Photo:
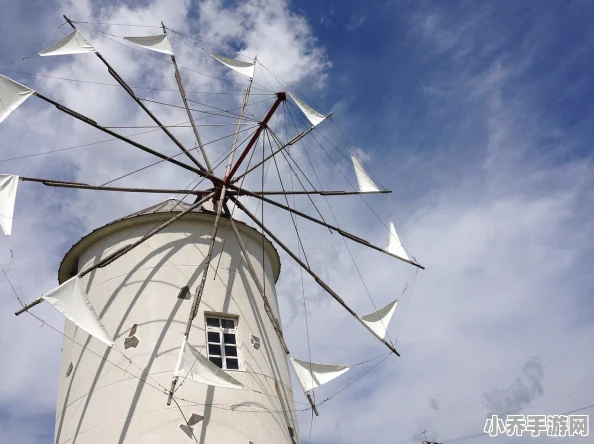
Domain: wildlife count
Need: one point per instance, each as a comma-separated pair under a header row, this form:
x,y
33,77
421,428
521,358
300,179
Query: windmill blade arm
x,y
320,282
94,124
319,222
84,186
200,290
321,193
129,90
273,320
182,92
259,285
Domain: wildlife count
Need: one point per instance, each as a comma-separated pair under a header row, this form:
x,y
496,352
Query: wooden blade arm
x,y
84,186
129,90
319,222
306,268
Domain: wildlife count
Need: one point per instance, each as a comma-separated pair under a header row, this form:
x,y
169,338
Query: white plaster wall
x,y
103,400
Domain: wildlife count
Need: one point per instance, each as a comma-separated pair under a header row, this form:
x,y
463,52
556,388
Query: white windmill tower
x,y
136,288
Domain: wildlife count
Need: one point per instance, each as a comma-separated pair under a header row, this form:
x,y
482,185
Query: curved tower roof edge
x,y
69,264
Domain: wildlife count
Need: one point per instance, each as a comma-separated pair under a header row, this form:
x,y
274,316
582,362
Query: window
x,y
221,336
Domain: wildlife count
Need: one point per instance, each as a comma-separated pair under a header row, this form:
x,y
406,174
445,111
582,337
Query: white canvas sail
x,y
394,245
71,300
8,190
12,94
158,43
192,365
73,43
247,69
378,322
314,117
366,185
311,375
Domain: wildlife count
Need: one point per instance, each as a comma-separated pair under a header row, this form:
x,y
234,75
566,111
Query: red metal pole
x,y
280,97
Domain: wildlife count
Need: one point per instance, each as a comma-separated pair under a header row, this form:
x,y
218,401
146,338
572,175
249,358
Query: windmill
x,y
103,276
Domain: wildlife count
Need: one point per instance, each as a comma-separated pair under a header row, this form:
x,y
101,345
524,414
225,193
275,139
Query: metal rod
x,y
28,306
306,268
129,90
84,186
280,97
270,156
332,227
182,92
125,139
117,254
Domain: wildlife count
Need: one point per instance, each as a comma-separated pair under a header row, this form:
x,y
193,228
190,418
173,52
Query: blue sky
x,y
478,115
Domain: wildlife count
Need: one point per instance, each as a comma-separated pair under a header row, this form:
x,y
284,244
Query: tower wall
x,y
103,399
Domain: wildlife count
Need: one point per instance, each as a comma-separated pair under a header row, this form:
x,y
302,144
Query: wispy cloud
x,y
356,22
491,192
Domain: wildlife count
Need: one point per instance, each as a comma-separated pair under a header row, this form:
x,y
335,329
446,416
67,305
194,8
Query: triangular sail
x,y
314,117
8,190
192,365
311,375
247,69
394,245
12,94
366,185
73,43
378,322
158,43
71,300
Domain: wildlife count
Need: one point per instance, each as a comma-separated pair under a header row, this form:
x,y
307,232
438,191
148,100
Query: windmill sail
x,y
311,375
192,365
8,190
366,185
378,322
314,117
71,300
247,69
158,43
12,94
394,245
73,43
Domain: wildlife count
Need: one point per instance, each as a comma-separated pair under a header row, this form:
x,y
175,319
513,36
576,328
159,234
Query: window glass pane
x,y
217,361
227,323
214,336
232,364
229,338
214,349
212,322
230,350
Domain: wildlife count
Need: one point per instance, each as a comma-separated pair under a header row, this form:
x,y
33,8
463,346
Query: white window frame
x,y
222,331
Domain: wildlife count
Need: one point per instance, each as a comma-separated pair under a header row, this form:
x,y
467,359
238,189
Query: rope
x,y
342,237
208,43
350,183
107,35
171,157
131,86
354,381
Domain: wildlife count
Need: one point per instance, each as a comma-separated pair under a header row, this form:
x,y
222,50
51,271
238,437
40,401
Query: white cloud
x,y
502,241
